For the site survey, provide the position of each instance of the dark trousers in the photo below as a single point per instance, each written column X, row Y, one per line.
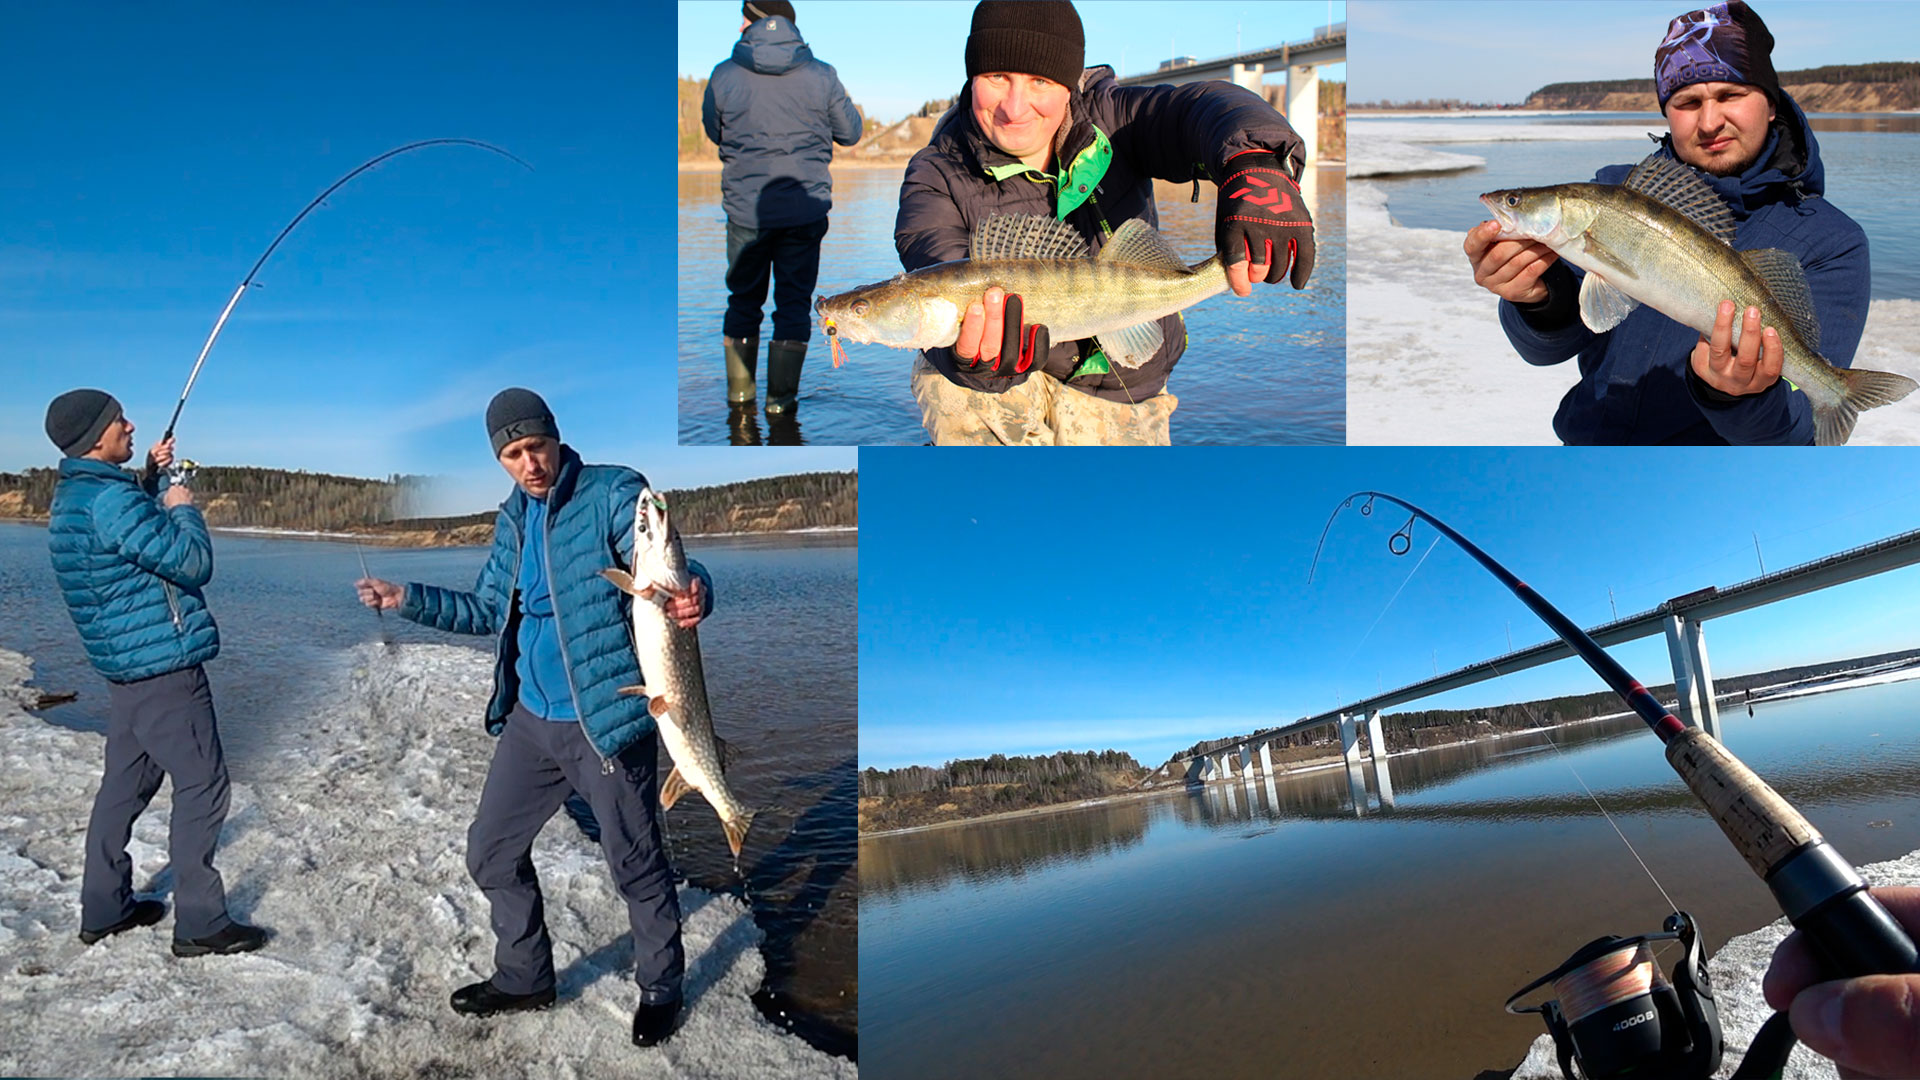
column 791, row 256
column 536, row 765
column 158, row 728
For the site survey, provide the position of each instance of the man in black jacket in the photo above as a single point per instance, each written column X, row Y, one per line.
column 775, row 113
column 1036, row 133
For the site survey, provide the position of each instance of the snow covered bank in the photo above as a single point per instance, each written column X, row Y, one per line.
column 1737, row 970
column 1427, row 363
column 1520, row 131
column 1373, row 155
column 352, row 852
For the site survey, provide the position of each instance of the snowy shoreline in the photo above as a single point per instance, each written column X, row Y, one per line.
column 352, row 850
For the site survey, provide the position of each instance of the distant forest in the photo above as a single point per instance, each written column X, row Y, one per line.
column 918, row 795
column 277, row 499
column 1888, row 72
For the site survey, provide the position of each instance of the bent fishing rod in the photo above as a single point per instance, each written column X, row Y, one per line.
column 1818, row 890
column 247, row 282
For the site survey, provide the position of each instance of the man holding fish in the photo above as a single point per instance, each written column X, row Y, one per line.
column 1037, row 134
column 1726, row 215
column 562, row 656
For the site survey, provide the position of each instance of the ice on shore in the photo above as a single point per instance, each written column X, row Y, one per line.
column 1412, row 131
column 1372, row 155
column 1427, row 362
column 1737, row 970
column 353, row 853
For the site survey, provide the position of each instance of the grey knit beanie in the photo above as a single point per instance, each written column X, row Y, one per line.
column 77, row 418
column 515, row 414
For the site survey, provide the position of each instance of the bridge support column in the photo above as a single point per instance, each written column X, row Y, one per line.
column 1349, row 740
column 1246, row 764
column 1266, row 759
column 1382, row 772
column 1248, row 76
column 1692, row 679
column 1303, row 109
column 1223, row 765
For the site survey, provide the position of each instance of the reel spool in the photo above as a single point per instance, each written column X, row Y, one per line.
column 181, row 472
column 1616, row 1015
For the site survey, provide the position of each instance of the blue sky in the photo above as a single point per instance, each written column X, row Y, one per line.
column 153, row 152
column 1145, row 600
column 1502, row 50
column 894, row 57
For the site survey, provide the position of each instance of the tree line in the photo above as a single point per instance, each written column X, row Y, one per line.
column 1886, row 72
column 1061, row 770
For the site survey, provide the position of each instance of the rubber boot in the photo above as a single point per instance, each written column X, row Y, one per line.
column 742, row 354
column 783, row 376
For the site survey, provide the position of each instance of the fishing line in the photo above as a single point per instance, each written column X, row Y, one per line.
column 1390, row 600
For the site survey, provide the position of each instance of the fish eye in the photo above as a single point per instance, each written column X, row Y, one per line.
column 1513, row 200
column 859, row 307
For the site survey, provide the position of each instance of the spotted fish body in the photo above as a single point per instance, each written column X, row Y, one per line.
column 1665, row 239
column 669, row 656
column 1117, row 295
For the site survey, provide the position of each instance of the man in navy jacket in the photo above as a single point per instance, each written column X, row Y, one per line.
column 1650, row 379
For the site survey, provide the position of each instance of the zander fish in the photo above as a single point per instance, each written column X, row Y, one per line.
column 669, row 658
column 1117, row 295
column 1665, row 239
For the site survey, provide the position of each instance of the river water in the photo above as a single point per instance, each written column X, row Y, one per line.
column 1288, row 930
column 1268, row 369
column 287, row 608
column 1868, row 157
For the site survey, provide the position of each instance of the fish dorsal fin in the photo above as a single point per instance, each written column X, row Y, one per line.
column 1134, row 345
column 1026, row 236
column 1136, row 243
column 1788, row 283
column 1674, row 185
column 1602, row 306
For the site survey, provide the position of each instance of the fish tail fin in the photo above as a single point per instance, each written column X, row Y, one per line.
column 737, row 831
column 1865, row 389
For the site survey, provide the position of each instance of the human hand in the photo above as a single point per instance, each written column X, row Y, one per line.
column 176, row 495
column 1748, row 369
column 1262, row 225
column 380, row 595
column 161, row 456
column 1509, row 269
column 1869, row 1026
column 993, row 338
column 689, row 607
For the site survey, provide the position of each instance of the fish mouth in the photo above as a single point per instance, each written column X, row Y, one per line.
column 1501, row 215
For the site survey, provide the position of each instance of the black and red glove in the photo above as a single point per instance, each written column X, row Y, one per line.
column 1262, row 218
column 1021, row 344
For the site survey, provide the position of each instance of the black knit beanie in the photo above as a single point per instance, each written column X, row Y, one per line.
column 515, row 414
column 1028, row 37
column 76, row 419
column 766, row 9
column 1724, row 43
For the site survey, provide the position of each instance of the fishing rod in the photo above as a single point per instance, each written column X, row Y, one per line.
column 247, row 282
column 1819, row 891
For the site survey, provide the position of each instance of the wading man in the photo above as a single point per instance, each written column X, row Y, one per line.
column 1034, row 132
column 562, row 652
column 775, row 113
column 131, row 566
column 1651, row 379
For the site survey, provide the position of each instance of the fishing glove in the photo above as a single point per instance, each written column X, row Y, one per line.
column 1261, row 212
column 1021, row 344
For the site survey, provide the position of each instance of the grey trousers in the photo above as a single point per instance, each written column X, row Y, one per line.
column 536, row 765
column 158, row 728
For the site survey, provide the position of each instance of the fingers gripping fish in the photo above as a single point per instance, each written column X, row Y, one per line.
column 669, row 656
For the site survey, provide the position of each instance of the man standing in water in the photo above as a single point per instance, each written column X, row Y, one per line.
column 775, row 113
column 131, row 568
column 562, row 654
column 1650, row 379
column 1034, row 132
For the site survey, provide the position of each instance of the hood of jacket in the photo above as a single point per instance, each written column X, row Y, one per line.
column 771, row 46
column 1788, row 169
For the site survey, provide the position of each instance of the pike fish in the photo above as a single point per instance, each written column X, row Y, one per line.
column 669, row 658
column 1117, row 295
column 1665, row 239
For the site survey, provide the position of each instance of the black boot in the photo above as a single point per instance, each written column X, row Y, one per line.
column 144, row 913
column 742, row 354
column 653, row 1024
column 236, row 938
column 485, row 999
column 784, row 359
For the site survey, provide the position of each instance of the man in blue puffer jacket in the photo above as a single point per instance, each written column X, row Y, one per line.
column 131, row 568
column 562, row 651
column 775, row 112
column 1650, row 379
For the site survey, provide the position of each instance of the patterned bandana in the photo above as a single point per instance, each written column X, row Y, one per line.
column 1723, row 43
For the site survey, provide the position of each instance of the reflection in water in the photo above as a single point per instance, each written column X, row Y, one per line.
column 932, row 857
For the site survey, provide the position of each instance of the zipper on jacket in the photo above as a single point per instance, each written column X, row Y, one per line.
column 173, row 605
column 559, row 631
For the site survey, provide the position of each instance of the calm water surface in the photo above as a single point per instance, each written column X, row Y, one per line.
column 1869, row 159
column 1256, row 929
column 1267, row 369
column 782, row 690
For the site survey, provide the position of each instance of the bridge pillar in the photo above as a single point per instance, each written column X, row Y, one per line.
column 1349, row 740
column 1248, row 76
column 1692, row 679
column 1266, row 759
column 1303, row 109
column 1382, row 772
column 1246, row 763
column 1223, row 765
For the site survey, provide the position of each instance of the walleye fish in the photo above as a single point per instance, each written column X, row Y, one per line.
column 670, row 661
column 1665, row 239
column 1117, row 295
